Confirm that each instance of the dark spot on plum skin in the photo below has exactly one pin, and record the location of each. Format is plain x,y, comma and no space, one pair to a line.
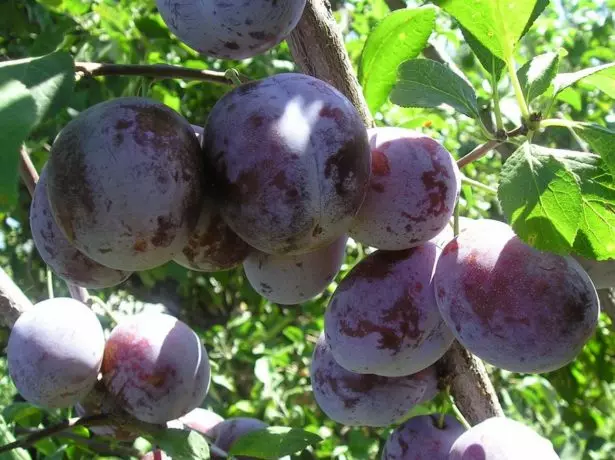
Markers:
380,162
344,165
165,233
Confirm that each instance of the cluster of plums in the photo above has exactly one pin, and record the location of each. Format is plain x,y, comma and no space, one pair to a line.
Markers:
442,437
57,352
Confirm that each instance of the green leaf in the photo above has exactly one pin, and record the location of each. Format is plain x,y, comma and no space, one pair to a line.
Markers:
537,74
488,60
50,80
183,444
400,36
426,83
17,118
597,226
604,81
274,442
496,24
22,411
564,80
601,140
541,197
6,437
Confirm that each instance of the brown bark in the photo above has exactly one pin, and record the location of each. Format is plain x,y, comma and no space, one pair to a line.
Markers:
318,48
13,302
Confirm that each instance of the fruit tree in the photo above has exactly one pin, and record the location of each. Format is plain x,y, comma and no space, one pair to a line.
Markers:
307,229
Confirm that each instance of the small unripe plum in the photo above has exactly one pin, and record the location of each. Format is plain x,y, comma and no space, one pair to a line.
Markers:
601,272
500,438
58,253
212,245
414,185
383,318
156,366
232,429
291,280
55,351
366,399
233,29
425,437
291,162
516,307
125,182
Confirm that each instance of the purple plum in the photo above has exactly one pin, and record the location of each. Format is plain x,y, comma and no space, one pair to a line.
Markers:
59,254
414,185
232,429
292,280
383,318
55,352
291,162
125,182
156,366
516,307
231,29
500,438
425,437
366,399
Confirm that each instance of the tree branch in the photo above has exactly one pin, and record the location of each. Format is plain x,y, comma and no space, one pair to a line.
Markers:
95,69
607,303
318,49
478,153
13,302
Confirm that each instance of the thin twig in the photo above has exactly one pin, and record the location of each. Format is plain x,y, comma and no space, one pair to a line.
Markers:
477,184
53,430
478,153
96,69
101,447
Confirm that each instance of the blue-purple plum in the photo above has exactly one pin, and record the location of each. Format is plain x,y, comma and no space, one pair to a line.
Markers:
156,367
64,259
291,280
601,272
383,318
55,352
212,245
232,429
291,161
125,182
516,307
414,185
500,438
425,437
366,399
202,420
231,29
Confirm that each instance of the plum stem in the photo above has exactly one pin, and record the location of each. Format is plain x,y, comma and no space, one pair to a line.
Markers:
474,183
478,152
233,76
26,441
96,69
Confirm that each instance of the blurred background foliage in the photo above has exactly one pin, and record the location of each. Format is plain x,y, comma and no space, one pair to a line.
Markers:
261,351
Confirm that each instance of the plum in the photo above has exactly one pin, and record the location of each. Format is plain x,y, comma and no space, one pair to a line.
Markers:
366,399
414,185
601,272
55,351
212,245
232,429
233,29
501,438
425,437
125,182
295,279
516,307
383,318
291,161
202,420
59,254
156,367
